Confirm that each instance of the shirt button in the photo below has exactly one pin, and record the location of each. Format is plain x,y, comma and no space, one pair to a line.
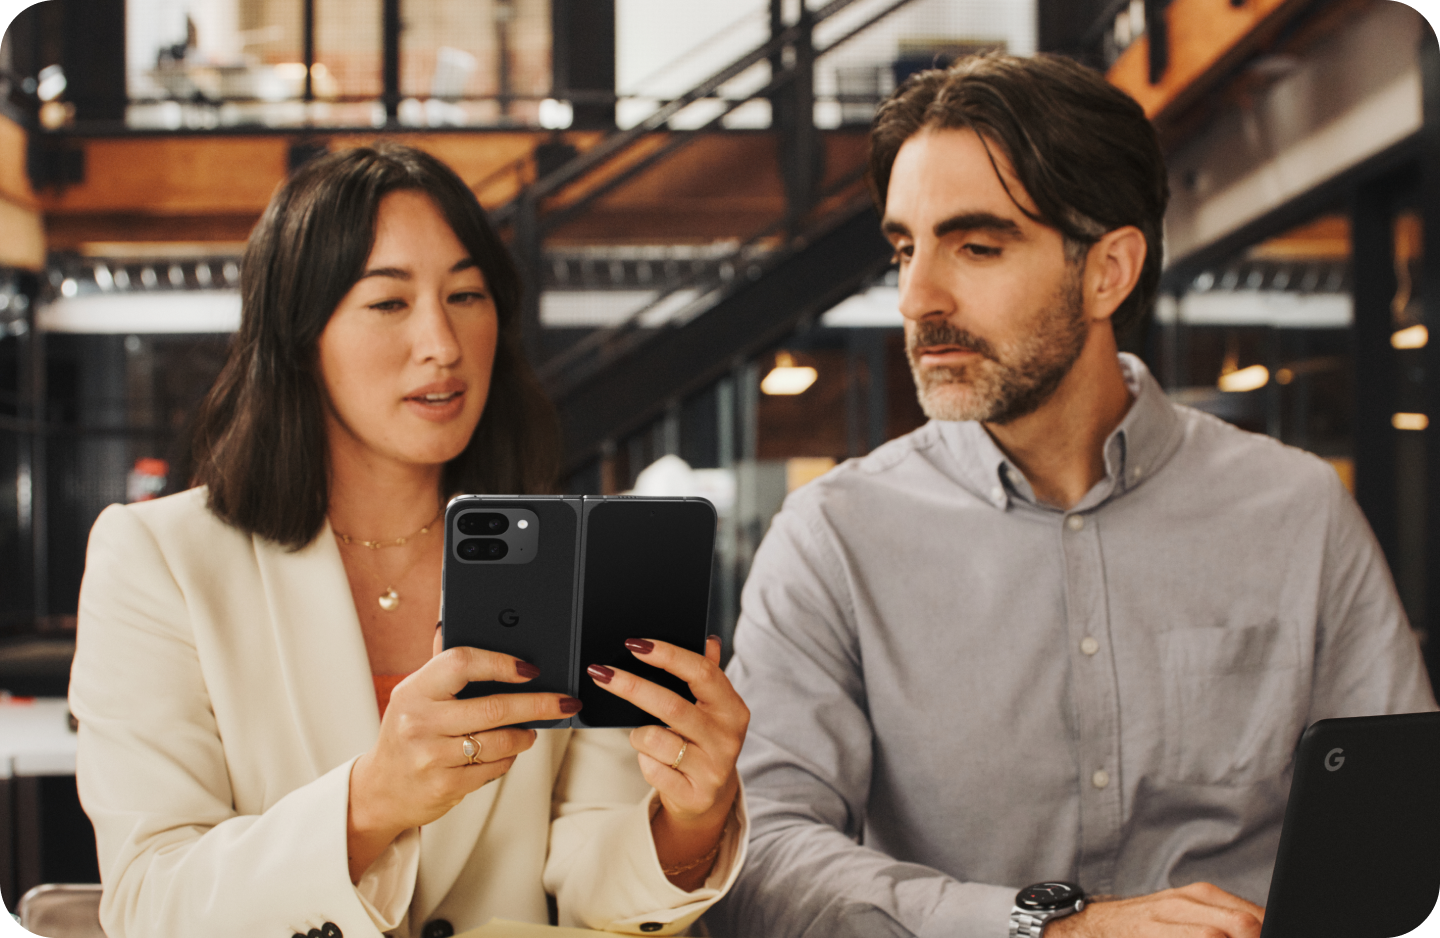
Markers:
1100,779
331,930
651,926
1089,646
437,928
1075,522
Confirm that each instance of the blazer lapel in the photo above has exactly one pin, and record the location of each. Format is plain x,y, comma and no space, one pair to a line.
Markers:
326,670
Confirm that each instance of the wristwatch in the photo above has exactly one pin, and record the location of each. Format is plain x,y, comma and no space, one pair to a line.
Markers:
1038,905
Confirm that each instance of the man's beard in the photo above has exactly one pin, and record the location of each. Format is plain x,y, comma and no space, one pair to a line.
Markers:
1003,384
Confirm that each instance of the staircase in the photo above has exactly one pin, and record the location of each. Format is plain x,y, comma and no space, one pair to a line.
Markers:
731,238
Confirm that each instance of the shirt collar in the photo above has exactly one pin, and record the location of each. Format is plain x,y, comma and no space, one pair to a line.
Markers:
1134,450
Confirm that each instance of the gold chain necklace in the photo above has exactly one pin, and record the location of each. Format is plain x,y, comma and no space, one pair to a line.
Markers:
390,599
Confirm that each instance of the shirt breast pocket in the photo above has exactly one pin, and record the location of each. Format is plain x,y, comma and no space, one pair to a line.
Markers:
1232,703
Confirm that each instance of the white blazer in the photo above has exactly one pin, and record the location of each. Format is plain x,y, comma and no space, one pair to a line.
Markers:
223,692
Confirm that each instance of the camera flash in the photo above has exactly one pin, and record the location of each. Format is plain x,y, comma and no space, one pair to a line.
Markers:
522,523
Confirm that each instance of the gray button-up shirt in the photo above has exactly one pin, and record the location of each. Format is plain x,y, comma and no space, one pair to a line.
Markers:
957,690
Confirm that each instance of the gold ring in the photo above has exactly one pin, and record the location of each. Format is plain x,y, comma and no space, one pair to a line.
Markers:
471,747
684,745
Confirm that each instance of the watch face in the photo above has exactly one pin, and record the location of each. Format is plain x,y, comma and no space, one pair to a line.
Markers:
1048,897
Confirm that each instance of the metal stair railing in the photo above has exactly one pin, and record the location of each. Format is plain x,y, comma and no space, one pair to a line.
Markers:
615,144
530,222
623,393
618,377
572,366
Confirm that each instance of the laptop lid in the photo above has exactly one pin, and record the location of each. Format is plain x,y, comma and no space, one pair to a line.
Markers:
1360,848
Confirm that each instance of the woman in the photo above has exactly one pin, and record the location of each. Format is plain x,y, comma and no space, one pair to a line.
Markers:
269,738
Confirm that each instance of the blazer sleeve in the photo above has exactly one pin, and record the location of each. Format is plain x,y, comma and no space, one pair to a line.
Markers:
175,857
602,867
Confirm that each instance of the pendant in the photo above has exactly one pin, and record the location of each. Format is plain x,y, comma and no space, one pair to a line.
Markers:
389,600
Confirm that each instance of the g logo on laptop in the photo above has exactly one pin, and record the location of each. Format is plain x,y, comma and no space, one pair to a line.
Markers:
509,618
1334,759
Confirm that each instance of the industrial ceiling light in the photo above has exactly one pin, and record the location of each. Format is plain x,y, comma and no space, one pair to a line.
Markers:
787,377
1409,421
1245,379
1413,337
1234,378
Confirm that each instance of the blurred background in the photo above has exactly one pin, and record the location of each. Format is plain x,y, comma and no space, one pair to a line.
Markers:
711,306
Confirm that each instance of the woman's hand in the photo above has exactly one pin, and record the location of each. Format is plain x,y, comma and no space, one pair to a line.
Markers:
691,760
419,769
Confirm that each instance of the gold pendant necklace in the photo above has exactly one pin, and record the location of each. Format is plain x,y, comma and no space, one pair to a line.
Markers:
390,599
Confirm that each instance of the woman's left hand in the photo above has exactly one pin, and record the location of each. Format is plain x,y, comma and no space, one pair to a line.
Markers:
690,761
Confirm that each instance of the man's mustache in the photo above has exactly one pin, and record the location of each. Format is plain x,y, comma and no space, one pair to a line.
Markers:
931,334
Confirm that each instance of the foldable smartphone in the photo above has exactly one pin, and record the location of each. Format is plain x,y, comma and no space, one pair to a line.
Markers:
562,581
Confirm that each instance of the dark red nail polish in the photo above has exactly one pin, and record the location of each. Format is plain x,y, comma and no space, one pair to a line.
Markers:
527,669
600,673
570,705
640,646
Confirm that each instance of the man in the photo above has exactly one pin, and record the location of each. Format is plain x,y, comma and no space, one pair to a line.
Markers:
1066,630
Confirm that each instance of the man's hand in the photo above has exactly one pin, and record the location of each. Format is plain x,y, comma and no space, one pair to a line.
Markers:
1199,910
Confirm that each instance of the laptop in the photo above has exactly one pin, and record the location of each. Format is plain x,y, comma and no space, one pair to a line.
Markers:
1360,848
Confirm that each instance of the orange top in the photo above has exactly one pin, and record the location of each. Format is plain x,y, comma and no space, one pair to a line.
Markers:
384,684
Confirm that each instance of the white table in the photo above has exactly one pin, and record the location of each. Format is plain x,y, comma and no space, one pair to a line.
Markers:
35,741
35,737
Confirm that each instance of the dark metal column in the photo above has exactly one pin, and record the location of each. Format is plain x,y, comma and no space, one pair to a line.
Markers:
504,14
1430,295
583,59
33,472
529,247
94,58
390,58
1158,30
792,110
308,31
1372,258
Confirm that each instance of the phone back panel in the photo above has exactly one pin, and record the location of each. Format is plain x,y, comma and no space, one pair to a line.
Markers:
647,568
1357,853
521,609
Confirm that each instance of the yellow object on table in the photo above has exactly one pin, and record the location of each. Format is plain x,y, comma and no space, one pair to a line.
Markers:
500,928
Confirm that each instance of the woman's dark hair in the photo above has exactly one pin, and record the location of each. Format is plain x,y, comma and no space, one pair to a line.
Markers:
259,440
1082,148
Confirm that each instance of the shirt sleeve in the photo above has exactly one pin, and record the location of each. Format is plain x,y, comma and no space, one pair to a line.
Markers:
807,767
602,867
175,856
1367,657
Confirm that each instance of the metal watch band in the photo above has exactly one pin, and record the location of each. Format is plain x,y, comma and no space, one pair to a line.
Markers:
1025,924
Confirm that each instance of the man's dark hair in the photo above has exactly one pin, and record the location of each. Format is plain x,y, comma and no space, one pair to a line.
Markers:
1082,148
259,439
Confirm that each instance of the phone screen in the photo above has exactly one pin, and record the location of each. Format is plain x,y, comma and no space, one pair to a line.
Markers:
647,575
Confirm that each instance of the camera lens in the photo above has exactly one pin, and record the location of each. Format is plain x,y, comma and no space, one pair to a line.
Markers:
482,522
482,548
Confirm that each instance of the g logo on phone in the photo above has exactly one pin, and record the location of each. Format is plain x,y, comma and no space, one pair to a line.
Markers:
1334,759
509,618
